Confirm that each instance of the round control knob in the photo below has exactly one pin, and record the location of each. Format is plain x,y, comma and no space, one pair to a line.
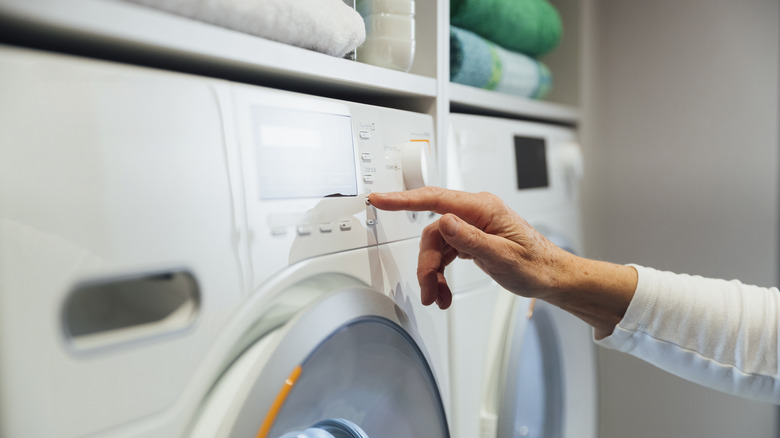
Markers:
571,158
414,163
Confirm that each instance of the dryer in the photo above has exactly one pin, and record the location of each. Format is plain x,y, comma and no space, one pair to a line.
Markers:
536,376
185,256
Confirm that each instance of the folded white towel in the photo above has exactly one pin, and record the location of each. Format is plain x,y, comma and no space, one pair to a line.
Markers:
327,26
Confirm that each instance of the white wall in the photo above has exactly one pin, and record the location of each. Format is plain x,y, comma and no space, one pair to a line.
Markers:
681,138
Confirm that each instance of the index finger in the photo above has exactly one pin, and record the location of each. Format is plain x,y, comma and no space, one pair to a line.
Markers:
471,207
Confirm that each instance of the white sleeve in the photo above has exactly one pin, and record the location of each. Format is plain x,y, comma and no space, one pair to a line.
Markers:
718,333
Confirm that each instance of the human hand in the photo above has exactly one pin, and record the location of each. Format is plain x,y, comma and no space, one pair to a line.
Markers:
483,228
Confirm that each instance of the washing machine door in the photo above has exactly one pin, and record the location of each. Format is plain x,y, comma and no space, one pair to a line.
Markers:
532,401
328,358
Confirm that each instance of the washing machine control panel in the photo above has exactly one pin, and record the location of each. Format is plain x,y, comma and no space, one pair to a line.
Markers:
307,165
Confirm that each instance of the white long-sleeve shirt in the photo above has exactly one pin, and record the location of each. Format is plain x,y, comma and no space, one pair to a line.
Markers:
718,333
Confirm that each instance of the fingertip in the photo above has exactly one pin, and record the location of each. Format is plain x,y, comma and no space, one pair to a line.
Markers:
387,200
443,294
375,197
427,291
445,300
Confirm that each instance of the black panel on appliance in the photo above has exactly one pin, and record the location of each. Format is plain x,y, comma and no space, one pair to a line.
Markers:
531,162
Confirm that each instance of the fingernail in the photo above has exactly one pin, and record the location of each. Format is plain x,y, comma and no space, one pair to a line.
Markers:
451,225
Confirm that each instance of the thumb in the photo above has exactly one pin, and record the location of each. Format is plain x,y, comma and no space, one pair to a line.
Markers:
466,238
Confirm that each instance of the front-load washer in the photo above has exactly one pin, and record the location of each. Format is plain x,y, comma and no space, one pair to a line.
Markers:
535,375
184,256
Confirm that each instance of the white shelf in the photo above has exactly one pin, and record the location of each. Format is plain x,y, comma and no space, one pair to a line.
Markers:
129,32
140,28
466,98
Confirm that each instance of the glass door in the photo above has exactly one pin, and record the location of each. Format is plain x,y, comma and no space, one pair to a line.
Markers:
328,357
532,400
369,379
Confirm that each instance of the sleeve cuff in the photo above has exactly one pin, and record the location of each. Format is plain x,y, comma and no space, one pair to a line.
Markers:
639,309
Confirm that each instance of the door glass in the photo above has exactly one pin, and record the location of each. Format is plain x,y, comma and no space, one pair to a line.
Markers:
532,403
369,373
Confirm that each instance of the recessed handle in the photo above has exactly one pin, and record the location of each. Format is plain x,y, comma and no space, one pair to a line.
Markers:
109,311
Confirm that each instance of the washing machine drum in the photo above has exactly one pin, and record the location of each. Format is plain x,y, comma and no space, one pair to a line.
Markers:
344,367
371,372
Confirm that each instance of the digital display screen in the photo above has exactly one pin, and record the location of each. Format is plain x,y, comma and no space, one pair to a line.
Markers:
303,154
531,162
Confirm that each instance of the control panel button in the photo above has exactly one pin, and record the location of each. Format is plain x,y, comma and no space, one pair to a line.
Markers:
303,230
345,225
366,156
326,228
365,135
368,178
278,231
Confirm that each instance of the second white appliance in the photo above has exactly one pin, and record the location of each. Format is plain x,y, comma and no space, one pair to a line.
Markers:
520,368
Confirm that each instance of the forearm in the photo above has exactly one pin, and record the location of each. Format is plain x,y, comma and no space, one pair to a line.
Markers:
722,334
597,292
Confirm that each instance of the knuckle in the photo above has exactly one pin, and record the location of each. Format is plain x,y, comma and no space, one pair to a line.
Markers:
498,203
489,197
441,196
470,237
425,272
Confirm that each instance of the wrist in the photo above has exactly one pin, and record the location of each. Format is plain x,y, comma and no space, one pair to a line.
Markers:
597,292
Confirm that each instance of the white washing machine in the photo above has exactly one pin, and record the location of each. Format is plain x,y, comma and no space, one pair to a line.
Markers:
183,256
536,377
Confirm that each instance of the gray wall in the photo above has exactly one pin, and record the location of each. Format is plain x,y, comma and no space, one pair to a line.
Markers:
681,138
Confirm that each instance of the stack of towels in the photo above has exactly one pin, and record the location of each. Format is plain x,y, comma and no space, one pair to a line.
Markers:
327,26
494,44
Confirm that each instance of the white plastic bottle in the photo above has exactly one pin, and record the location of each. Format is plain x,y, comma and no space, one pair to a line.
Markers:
389,33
